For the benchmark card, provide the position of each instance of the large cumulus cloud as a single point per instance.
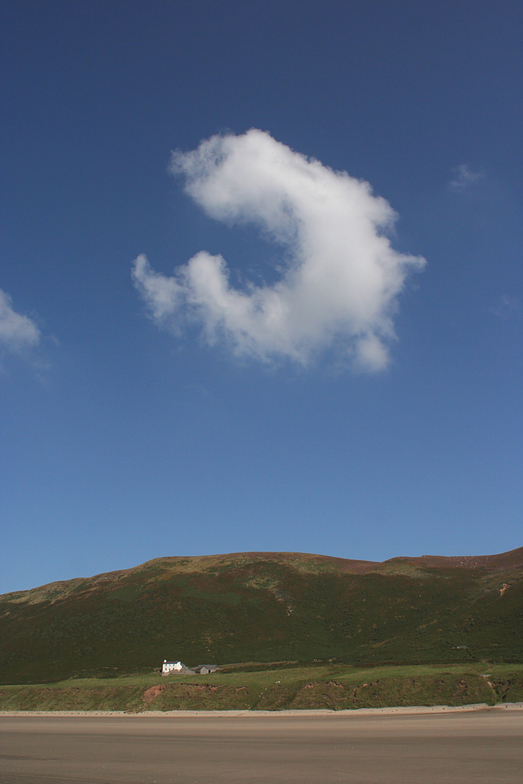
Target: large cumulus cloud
(340, 277)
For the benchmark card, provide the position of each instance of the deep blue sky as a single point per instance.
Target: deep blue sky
(121, 442)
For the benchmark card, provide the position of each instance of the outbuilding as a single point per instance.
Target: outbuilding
(205, 669)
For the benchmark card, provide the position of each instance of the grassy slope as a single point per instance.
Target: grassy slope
(335, 687)
(266, 607)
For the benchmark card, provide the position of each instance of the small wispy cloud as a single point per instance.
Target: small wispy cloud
(198, 391)
(465, 177)
(17, 332)
(507, 307)
(339, 278)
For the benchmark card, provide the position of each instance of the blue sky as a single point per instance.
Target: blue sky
(285, 372)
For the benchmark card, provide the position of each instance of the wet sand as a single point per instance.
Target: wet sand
(484, 746)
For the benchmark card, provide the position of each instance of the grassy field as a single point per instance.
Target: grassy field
(277, 687)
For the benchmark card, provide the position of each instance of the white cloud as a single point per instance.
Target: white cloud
(17, 332)
(465, 177)
(340, 277)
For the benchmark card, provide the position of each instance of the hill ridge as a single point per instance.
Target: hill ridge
(509, 559)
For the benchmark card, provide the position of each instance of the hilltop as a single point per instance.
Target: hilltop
(266, 607)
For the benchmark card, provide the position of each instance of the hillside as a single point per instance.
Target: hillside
(266, 607)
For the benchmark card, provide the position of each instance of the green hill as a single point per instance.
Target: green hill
(266, 607)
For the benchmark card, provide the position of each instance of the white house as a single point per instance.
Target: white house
(168, 667)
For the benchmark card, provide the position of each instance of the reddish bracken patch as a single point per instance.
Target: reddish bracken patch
(152, 693)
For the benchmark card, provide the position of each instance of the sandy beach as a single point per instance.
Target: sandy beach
(399, 710)
(472, 745)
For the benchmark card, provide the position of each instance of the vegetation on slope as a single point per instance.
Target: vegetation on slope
(334, 687)
(266, 607)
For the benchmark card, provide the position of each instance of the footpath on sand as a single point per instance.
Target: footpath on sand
(418, 709)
